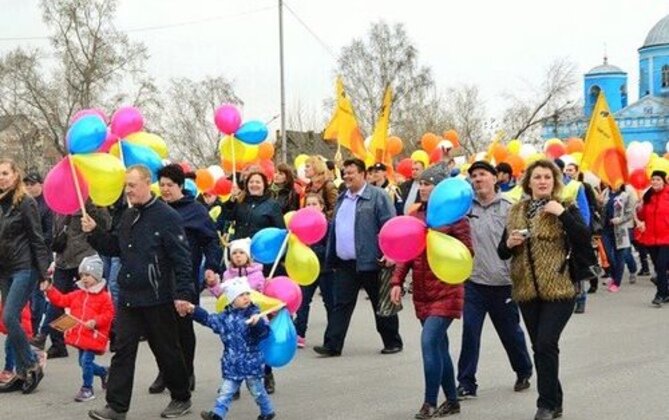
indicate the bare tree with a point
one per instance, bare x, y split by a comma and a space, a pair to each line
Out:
187, 118
96, 65
553, 98
387, 57
467, 113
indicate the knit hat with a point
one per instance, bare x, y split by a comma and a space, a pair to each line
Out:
661, 174
235, 287
243, 245
93, 266
434, 174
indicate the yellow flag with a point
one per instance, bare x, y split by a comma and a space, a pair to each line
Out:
604, 153
343, 126
377, 146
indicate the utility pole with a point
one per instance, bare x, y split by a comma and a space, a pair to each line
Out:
284, 145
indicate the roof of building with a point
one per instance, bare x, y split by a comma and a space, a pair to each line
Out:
659, 35
605, 68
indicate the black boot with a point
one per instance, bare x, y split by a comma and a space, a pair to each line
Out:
269, 383
191, 382
158, 386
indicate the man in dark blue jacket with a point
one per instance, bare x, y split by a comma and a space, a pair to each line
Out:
155, 278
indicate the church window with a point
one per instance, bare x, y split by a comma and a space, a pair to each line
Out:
665, 76
594, 93
623, 95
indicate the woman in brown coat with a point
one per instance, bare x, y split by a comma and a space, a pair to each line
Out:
320, 183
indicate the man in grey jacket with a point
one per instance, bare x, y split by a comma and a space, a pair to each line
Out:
488, 291
353, 252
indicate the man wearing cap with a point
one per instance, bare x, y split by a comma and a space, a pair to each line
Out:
354, 254
409, 188
488, 290
379, 178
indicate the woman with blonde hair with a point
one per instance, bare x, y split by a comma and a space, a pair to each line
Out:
541, 237
320, 182
24, 260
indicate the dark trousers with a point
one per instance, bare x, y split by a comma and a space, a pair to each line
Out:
660, 257
347, 283
495, 301
159, 323
545, 321
38, 307
64, 280
324, 282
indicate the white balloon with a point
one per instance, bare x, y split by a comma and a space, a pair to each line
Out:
216, 172
527, 150
301, 173
567, 159
445, 144
648, 147
667, 147
368, 142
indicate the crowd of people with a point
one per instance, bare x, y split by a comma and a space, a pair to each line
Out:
135, 271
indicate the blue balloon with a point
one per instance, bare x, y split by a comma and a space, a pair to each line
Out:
455, 172
86, 135
252, 132
137, 154
279, 347
266, 244
449, 202
191, 188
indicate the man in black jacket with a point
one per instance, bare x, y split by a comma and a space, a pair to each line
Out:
155, 278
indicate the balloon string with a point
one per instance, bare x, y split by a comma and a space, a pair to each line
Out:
234, 163
77, 187
278, 257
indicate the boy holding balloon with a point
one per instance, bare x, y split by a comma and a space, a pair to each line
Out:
241, 328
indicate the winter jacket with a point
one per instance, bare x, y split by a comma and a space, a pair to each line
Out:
242, 357
22, 245
539, 266
431, 296
201, 233
288, 198
26, 321
619, 205
655, 213
329, 193
155, 259
86, 304
373, 210
253, 273
46, 217
76, 246
253, 214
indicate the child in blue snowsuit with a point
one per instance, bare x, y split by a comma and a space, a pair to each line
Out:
241, 329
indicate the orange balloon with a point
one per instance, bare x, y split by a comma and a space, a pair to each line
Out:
453, 137
429, 142
575, 145
394, 145
517, 164
666, 155
499, 152
266, 150
204, 179
227, 166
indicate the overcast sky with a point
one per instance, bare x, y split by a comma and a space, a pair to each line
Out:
495, 45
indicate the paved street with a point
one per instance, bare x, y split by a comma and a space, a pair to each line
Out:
614, 366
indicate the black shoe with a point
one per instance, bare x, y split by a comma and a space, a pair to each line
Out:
38, 341
643, 272
158, 386
209, 415
544, 414
522, 383
658, 301
191, 382
13, 385
447, 408
34, 376
464, 394
557, 413
579, 308
426, 412
326, 352
653, 280
176, 409
269, 383
56, 352
106, 413
236, 395
269, 416
391, 350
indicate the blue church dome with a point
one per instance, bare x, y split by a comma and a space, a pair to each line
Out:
659, 35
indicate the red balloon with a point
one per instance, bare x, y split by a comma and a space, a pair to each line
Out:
404, 167
223, 186
639, 179
555, 150
267, 167
436, 155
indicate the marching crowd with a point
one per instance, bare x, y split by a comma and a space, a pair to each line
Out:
134, 272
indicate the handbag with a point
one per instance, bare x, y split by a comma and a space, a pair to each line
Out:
386, 306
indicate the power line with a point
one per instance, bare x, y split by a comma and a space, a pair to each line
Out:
311, 31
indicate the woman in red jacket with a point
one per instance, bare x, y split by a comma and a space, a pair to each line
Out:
92, 307
437, 304
654, 227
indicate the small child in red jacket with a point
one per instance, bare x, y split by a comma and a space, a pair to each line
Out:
92, 306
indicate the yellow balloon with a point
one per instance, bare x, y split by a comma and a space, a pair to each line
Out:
301, 160
155, 189
288, 216
224, 198
578, 157
514, 146
302, 263
215, 212
263, 302
657, 164
104, 174
534, 157
225, 148
421, 156
449, 259
150, 140
250, 153
369, 160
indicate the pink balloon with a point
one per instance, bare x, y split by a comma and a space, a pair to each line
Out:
286, 290
402, 238
309, 225
109, 142
126, 120
227, 118
59, 191
90, 111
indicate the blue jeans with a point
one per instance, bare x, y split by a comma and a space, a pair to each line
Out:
38, 307
616, 256
496, 302
16, 290
10, 360
112, 266
89, 368
256, 388
324, 281
437, 365
630, 262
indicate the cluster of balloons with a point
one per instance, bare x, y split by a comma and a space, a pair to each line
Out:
404, 238
642, 161
432, 151
243, 144
214, 181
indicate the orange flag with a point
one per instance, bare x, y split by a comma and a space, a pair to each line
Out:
604, 153
343, 126
377, 147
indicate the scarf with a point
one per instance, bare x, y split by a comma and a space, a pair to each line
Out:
536, 206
